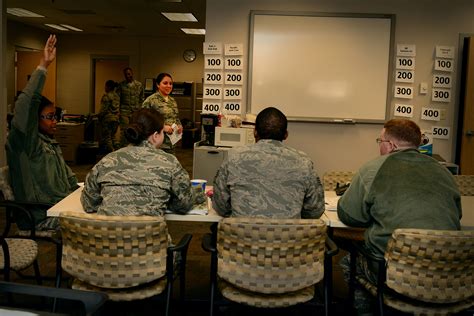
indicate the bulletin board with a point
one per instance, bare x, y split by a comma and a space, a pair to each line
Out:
321, 67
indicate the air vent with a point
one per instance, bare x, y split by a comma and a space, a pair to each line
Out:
78, 11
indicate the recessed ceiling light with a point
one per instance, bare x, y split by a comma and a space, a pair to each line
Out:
182, 17
194, 31
23, 13
73, 28
57, 27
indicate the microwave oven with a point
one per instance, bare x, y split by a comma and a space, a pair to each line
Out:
232, 137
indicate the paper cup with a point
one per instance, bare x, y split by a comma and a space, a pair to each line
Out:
199, 184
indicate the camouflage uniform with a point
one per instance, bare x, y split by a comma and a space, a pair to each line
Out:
169, 109
137, 180
109, 120
268, 179
131, 98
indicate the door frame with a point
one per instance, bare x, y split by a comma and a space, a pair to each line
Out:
94, 59
461, 90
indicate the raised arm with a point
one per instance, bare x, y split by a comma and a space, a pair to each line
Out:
49, 52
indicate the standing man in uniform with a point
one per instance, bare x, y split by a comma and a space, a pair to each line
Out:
131, 98
268, 179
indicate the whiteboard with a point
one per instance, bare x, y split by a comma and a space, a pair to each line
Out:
320, 67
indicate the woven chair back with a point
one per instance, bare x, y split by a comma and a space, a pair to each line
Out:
332, 178
434, 266
465, 184
271, 256
114, 251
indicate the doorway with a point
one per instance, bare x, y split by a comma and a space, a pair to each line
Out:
105, 68
465, 133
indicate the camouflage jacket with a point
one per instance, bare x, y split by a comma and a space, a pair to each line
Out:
169, 109
131, 96
109, 107
268, 179
137, 180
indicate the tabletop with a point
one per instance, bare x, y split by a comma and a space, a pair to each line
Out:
72, 203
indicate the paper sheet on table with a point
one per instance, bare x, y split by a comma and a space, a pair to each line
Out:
331, 202
175, 136
197, 209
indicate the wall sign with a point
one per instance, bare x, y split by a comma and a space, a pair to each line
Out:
430, 114
441, 95
404, 110
407, 76
441, 132
442, 81
403, 92
407, 63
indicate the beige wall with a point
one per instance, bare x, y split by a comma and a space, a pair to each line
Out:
423, 23
148, 57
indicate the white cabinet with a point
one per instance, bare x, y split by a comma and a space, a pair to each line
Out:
207, 159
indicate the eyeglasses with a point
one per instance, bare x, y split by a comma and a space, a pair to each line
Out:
49, 116
380, 140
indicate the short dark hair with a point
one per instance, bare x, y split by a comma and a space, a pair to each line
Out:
403, 130
161, 76
271, 123
44, 102
110, 84
144, 122
127, 68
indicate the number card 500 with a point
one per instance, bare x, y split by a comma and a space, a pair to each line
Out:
441, 132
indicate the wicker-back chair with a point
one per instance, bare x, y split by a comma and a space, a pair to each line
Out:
26, 208
465, 184
425, 272
16, 254
269, 263
127, 257
332, 178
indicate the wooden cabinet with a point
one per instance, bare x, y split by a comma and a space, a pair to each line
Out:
69, 137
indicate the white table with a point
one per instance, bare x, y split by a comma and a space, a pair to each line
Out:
72, 203
467, 220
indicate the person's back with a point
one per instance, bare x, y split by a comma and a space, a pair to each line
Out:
400, 189
408, 190
268, 179
139, 179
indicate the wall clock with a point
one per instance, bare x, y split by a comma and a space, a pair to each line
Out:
189, 55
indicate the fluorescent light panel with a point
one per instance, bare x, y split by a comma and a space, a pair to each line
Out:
181, 17
57, 27
72, 28
23, 13
194, 31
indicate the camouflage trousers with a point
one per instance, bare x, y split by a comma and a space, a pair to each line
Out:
108, 140
124, 121
364, 302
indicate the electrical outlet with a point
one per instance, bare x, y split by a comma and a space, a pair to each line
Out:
423, 88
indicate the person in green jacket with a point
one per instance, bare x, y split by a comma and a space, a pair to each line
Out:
38, 172
400, 189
